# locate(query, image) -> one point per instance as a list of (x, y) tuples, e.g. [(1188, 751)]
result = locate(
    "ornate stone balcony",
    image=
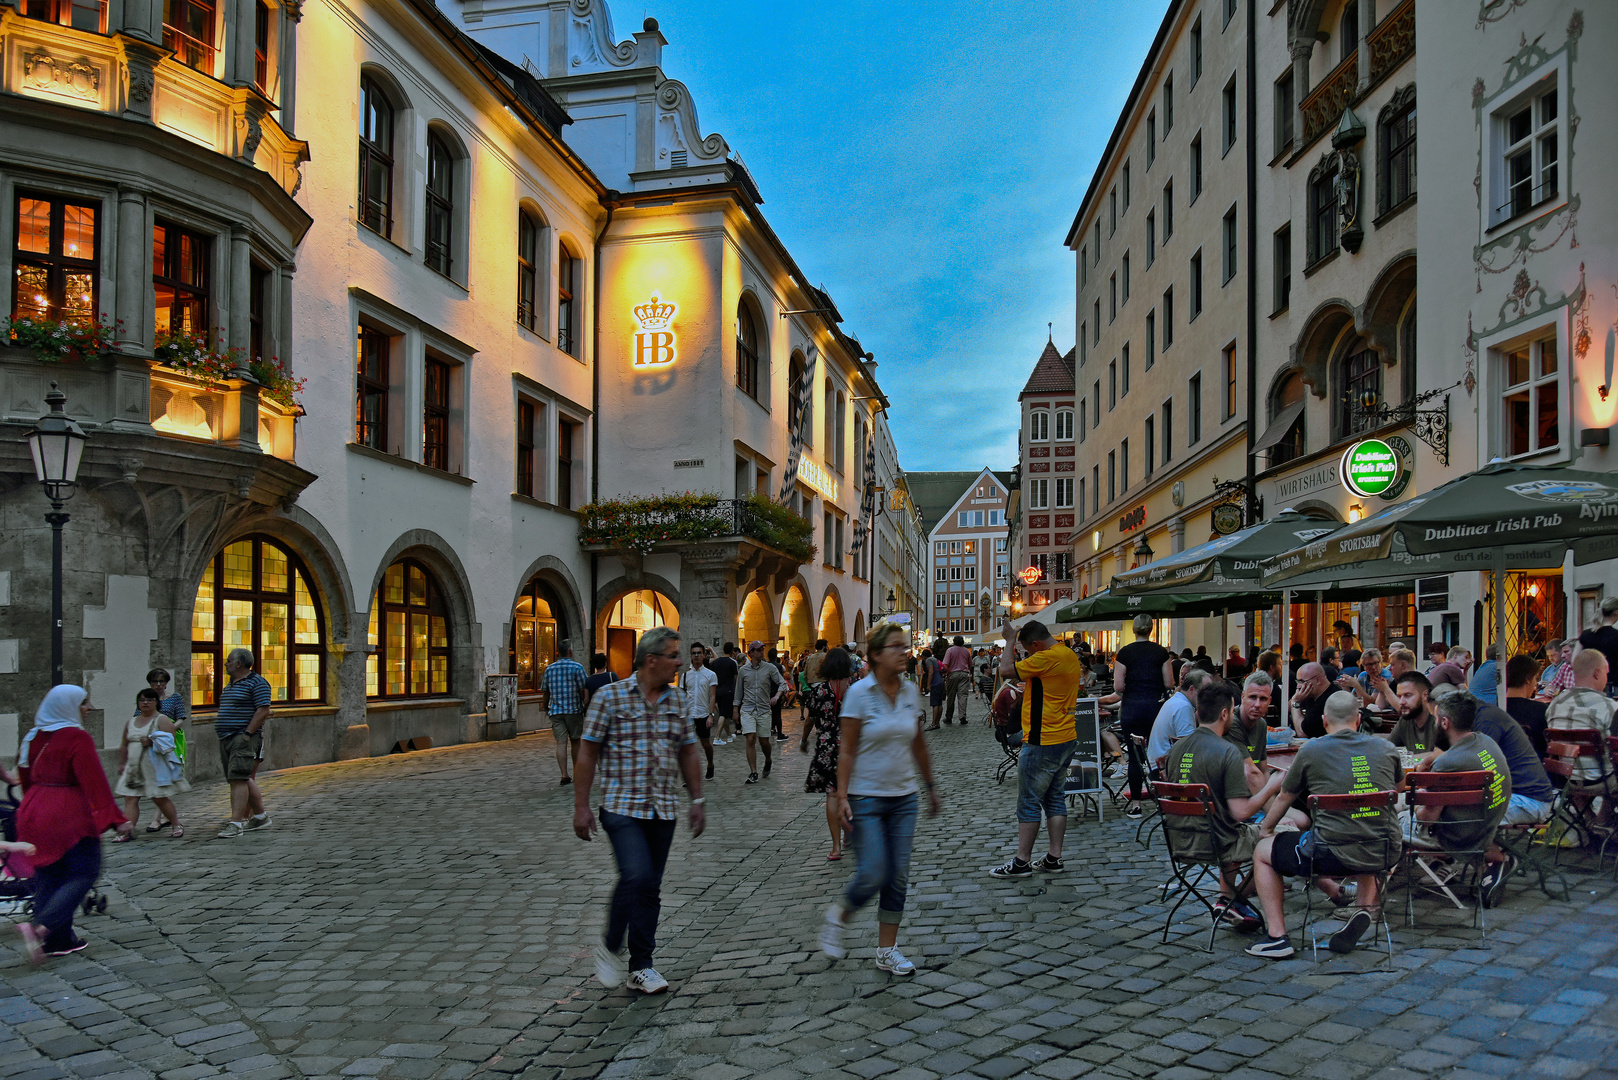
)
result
[(1390, 44)]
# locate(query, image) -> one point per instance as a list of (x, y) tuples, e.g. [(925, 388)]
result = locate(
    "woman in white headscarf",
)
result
[(66, 805)]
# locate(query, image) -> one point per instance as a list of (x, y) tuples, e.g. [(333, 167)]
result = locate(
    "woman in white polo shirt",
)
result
[(882, 749)]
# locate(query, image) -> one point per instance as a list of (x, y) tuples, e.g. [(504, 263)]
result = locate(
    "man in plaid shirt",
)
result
[(639, 730), (564, 693), (1584, 706)]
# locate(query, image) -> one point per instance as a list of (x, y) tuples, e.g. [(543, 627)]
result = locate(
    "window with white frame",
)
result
[(969, 546), (942, 547), (1039, 494), (943, 600), (1064, 425), (954, 547), (969, 573), (941, 574), (1531, 390), (1039, 426), (969, 626), (955, 573), (1525, 158), (1000, 545), (994, 518), (1064, 493)]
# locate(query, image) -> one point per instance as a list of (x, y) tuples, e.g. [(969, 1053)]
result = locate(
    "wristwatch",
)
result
[(698, 801)]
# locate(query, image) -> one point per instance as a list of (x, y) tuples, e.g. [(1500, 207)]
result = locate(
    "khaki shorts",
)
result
[(1241, 849), (240, 753), (567, 725), (758, 722)]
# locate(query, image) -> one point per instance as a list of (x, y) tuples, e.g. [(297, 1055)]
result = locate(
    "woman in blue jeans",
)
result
[(882, 749)]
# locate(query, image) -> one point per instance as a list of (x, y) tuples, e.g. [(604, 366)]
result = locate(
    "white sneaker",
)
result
[(231, 831), (610, 967), (894, 961), (831, 934), (647, 981), (257, 821), (1119, 771)]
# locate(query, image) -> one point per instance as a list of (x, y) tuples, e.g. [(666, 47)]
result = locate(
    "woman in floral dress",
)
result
[(824, 704)]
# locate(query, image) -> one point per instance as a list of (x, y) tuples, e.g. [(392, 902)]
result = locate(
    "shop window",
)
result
[(528, 234), (180, 279), (409, 635), (1532, 405), (567, 312), (534, 634), (188, 31), (372, 385), (88, 15), (376, 158), (257, 595), (440, 205), (56, 260)]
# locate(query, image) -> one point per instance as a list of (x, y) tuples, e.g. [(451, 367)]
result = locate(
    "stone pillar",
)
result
[(708, 600), (132, 267), (240, 30), (237, 329), (142, 19), (285, 79), (278, 336), (1301, 53), (1176, 545), (238, 420), (1367, 11)]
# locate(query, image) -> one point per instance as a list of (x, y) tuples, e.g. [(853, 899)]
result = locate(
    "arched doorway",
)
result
[(538, 622), (859, 629), (797, 621), (831, 619), (753, 624), (632, 615)]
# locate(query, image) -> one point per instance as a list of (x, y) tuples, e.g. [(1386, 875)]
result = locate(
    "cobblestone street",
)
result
[(431, 915)]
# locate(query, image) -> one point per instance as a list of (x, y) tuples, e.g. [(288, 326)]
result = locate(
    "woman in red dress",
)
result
[(66, 805)]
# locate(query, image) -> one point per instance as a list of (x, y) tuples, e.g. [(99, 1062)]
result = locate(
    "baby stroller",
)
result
[(17, 873)]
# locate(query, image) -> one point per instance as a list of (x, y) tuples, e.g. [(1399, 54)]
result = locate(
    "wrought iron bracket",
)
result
[(1431, 426)]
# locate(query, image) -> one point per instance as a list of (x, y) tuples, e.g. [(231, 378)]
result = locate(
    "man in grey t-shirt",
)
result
[(1463, 828), (1358, 843), (758, 687)]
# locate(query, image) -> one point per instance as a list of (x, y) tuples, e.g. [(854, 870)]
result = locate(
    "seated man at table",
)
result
[(1178, 716), (1380, 685), (1522, 673), (1309, 700), (1206, 756), (1452, 670), (1247, 729), (1417, 729), (1464, 828), (1356, 843)]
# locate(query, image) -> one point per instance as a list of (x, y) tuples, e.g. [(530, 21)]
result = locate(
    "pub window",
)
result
[(435, 416), (376, 158), (440, 204), (188, 31), (528, 233), (180, 279), (534, 633), (408, 639), (1360, 376), (1286, 396), (372, 381), (88, 15), (56, 260), (257, 595), (567, 314), (747, 352), (527, 414)]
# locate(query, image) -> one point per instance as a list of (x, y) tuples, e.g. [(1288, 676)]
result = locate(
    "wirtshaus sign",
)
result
[(1370, 467)]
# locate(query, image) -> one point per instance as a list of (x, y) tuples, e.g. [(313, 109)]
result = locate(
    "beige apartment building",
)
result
[(1044, 513)]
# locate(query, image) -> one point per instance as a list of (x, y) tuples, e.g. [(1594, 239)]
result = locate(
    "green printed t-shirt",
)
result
[(1349, 762), (1463, 828), (1203, 757), (1418, 740)]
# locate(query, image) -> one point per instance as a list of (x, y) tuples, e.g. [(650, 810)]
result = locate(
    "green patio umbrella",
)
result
[(1233, 562), (1108, 606), (1501, 517)]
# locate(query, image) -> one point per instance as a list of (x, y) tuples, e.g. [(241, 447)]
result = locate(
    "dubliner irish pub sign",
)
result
[(1370, 467)]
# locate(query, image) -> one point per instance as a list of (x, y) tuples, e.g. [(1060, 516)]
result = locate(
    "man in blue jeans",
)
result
[(1052, 676), (640, 732)]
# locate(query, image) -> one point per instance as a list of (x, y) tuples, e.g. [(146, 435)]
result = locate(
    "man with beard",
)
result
[(1309, 702), (1417, 729)]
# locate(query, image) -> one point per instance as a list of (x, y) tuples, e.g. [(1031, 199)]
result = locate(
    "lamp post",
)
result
[(57, 444), (1143, 551)]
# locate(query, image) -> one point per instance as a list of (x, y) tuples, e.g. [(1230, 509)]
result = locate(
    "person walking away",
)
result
[(957, 679), (824, 703), (66, 806), (564, 700), (932, 679), (638, 731), (760, 687), (244, 709), (881, 750), (174, 707), (725, 669), (777, 724), (811, 663), (1142, 672), (148, 766), (1052, 677), (701, 688)]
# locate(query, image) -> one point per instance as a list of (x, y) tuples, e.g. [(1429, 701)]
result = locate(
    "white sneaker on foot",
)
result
[(647, 981), (610, 966), (231, 831), (257, 821), (831, 934), (891, 959)]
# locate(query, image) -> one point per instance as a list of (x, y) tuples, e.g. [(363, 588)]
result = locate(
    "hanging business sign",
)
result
[(1029, 575), (654, 343), (1227, 518), (1370, 467), (817, 478)]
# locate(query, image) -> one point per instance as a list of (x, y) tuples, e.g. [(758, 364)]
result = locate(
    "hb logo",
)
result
[(654, 345)]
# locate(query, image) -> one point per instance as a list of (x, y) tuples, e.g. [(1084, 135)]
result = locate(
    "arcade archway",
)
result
[(797, 621), (754, 624), (831, 619), (631, 615)]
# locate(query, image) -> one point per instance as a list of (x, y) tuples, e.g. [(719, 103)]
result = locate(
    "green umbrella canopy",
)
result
[(1511, 516), (1108, 605), (1230, 561)]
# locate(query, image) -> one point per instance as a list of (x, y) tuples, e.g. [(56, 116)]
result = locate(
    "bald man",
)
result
[(1309, 700)]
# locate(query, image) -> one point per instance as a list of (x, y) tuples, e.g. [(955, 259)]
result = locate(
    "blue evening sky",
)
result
[(923, 162)]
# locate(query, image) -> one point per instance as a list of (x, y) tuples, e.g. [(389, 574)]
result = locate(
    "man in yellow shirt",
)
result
[(1052, 676)]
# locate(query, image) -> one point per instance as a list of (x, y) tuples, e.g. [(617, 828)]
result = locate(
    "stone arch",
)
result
[(465, 635), (799, 623), (607, 597), (1312, 352), (1385, 302), (830, 623), (859, 628), (755, 618), (554, 575)]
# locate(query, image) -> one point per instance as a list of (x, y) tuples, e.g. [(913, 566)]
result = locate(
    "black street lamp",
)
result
[(57, 444), (1143, 551)]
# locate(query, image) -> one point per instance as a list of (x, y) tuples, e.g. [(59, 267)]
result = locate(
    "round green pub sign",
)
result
[(1370, 467)]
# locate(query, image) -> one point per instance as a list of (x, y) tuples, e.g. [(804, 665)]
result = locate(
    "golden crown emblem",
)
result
[(654, 315)]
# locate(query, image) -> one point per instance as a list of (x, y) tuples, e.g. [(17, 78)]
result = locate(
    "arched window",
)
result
[(795, 374), (1064, 425), (409, 635), (440, 204), (1287, 408), (376, 158), (536, 626), (567, 331), (1039, 426), (1360, 383), (257, 595), (746, 351), (528, 234)]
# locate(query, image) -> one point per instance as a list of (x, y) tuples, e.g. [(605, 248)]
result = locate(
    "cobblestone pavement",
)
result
[(431, 915)]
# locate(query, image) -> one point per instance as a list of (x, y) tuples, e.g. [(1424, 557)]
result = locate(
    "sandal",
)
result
[(157, 826), (177, 832), (122, 838), (834, 856)]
